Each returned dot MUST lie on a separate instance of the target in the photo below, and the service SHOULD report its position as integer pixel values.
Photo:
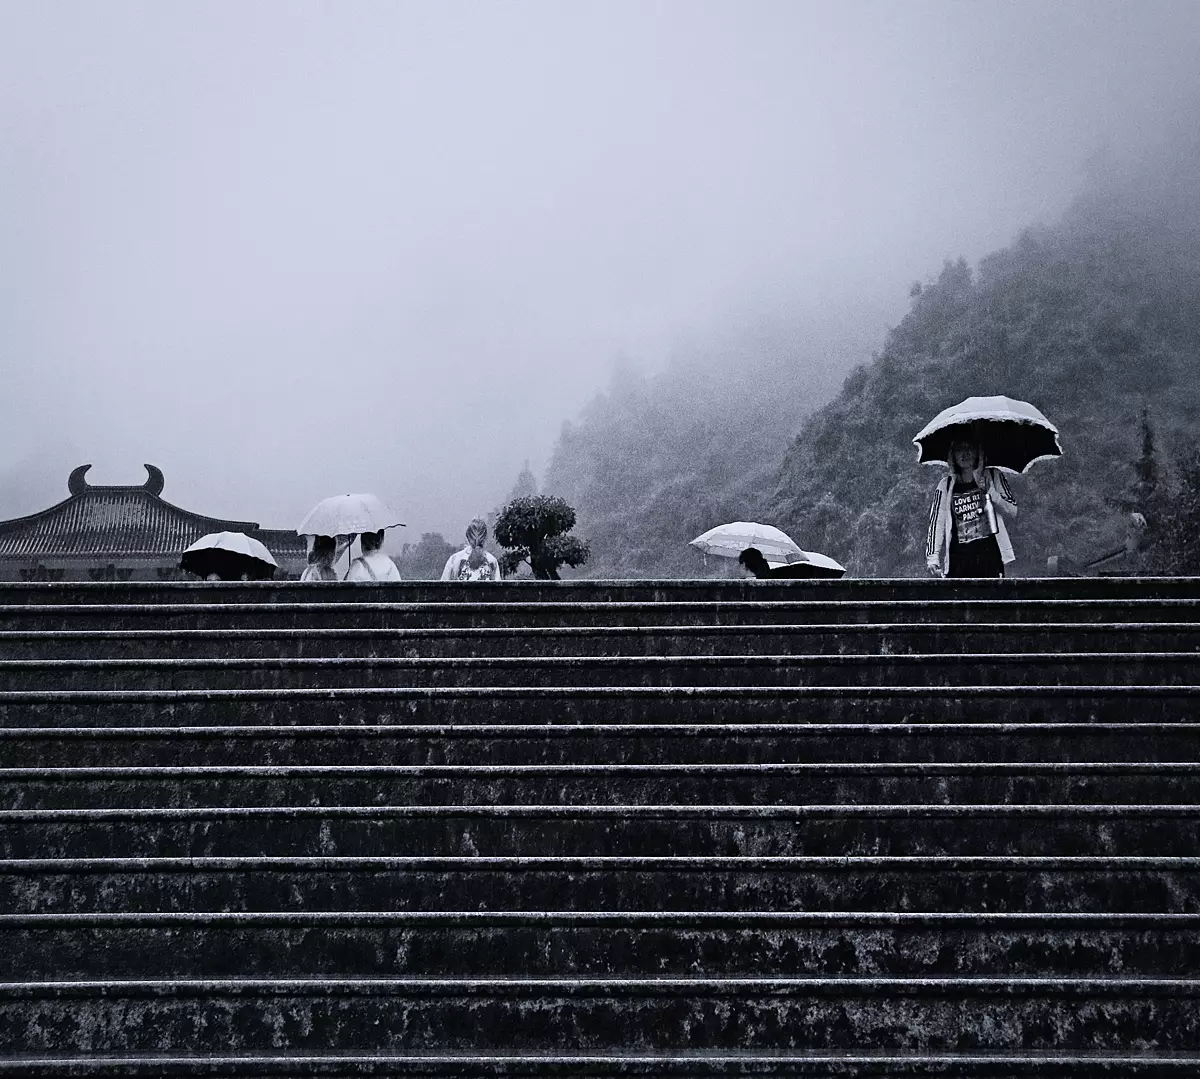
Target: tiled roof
(124, 522)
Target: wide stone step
(117, 787)
(279, 592)
(1131, 741)
(690, 1064)
(918, 669)
(731, 613)
(593, 704)
(1044, 1064)
(581, 1014)
(884, 638)
(988, 883)
(630, 943)
(1172, 829)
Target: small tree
(534, 529)
(1172, 547)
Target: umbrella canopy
(812, 566)
(1013, 433)
(729, 541)
(229, 555)
(348, 515)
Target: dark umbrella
(229, 555)
(1013, 434)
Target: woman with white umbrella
(965, 537)
(977, 439)
(338, 520)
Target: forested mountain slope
(654, 462)
(1091, 320)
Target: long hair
(477, 532)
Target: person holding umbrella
(322, 557)
(966, 538)
(978, 440)
(372, 564)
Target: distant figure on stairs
(372, 564)
(965, 537)
(753, 561)
(321, 560)
(472, 563)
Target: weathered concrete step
(626, 944)
(596, 743)
(117, 787)
(861, 669)
(583, 1014)
(1044, 1064)
(628, 829)
(671, 882)
(885, 638)
(135, 616)
(595, 591)
(593, 704)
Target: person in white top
(372, 564)
(472, 563)
(321, 559)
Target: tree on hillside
(423, 561)
(534, 530)
(526, 485)
(1170, 544)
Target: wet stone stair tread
(852, 828)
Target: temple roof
(124, 522)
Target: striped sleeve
(931, 532)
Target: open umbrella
(730, 540)
(812, 566)
(1013, 433)
(348, 515)
(229, 555)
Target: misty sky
(285, 249)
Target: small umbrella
(229, 555)
(812, 566)
(348, 515)
(1013, 433)
(729, 541)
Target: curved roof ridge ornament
(154, 479)
(77, 482)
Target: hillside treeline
(653, 462)
(1095, 319)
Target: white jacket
(375, 566)
(937, 537)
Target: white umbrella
(814, 559)
(729, 541)
(229, 554)
(348, 515)
(1013, 433)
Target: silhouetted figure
(752, 559)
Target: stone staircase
(863, 828)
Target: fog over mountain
(286, 249)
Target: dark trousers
(978, 559)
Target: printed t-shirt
(970, 520)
